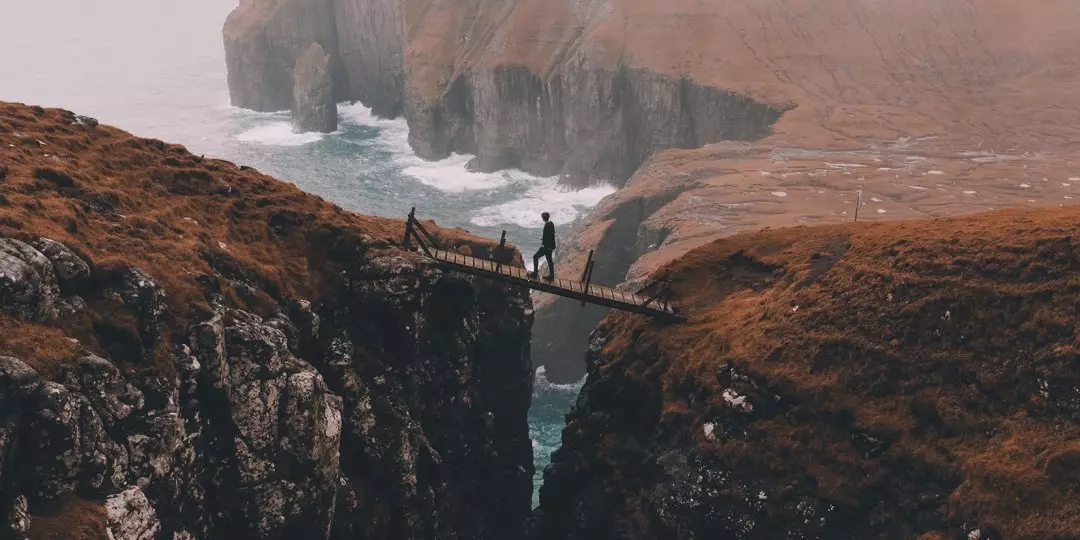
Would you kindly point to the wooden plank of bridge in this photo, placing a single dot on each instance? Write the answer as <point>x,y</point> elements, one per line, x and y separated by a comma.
<point>610,297</point>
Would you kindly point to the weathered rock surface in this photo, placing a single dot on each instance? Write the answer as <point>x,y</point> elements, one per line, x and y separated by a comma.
<point>132,516</point>
<point>28,288</point>
<point>557,110</point>
<point>69,268</point>
<point>271,367</point>
<point>901,380</point>
<point>313,105</point>
<point>261,49</point>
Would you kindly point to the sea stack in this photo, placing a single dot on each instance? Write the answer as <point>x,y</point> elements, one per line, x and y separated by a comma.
<point>313,105</point>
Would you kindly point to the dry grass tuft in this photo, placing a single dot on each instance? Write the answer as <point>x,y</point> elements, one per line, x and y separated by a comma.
<point>71,518</point>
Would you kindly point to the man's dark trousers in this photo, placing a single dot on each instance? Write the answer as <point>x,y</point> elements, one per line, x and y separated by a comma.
<point>544,251</point>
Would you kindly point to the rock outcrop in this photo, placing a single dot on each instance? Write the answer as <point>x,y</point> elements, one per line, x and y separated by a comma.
<point>900,380</point>
<point>465,79</point>
<point>192,350</point>
<point>313,106</point>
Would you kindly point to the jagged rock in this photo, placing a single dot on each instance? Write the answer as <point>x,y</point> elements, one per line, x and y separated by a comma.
<point>287,428</point>
<point>65,447</point>
<point>138,291</point>
<point>86,121</point>
<point>286,327</point>
<point>314,107</point>
<point>131,516</point>
<point>68,266</point>
<point>18,524</point>
<point>17,380</point>
<point>112,397</point>
<point>70,307</point>
<point>28,288</point>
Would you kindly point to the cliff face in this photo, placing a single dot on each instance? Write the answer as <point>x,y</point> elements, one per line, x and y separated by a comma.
<point>192,350</point>
<point>466,81</point>
<point>903,380</point>
<point>264,39</point>
<point>587,126</point>
<point>313,104</point>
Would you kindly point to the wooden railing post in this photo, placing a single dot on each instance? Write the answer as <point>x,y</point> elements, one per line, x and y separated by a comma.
<point>499,252</point>
<point>586,275</point>
<point>585,271</point>
<point>408,227</point>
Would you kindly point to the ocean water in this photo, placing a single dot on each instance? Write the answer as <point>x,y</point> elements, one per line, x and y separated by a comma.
<point>157,69</point>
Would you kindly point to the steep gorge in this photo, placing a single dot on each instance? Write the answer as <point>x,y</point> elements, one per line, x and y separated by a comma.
<point>191,349</point>
<point>890,380</point>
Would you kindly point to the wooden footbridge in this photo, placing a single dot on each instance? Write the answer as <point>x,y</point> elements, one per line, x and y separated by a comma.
<point>654,303</point>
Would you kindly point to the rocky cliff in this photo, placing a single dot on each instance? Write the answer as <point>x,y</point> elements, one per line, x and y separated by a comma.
<point>191,349</point>
<point>930,108</point>
<point>893,380</point>
<point>517,84</point>
<point>313,104</point>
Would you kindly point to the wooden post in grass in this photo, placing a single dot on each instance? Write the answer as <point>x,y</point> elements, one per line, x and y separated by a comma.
<point>858,203</point>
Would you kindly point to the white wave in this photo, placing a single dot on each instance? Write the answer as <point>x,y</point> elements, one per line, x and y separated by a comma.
<point>543,195</point>
<point>451,175</point>
<point>543,385</point>
<point>278,134</point>
<point>240,111</point>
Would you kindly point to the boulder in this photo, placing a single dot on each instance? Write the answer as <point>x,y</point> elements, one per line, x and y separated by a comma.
<point>17,380</point>
<point>111,396</point>
<point>18,519</point>
<point>28,288</point>
<point>131,516</point>
<point>313,106</point>
<point>139,292</point>
<point>67,265</point>
<point>65,447</point>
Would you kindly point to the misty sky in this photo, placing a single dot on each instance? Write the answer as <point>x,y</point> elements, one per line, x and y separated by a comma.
<point>120,60</point>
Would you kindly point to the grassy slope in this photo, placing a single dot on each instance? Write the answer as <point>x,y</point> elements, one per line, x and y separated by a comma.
<point>188,221</point>
<point>954,342</point>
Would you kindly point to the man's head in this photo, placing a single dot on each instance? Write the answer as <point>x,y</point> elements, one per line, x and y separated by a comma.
<point>545,216</point>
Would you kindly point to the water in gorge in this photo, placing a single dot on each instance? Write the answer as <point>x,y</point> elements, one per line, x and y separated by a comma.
<point>156,68</point>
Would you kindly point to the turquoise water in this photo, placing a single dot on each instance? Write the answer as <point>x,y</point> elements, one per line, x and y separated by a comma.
<point>157,68</point>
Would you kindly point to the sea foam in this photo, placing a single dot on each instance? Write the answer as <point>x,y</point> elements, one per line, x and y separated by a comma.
<point>278,133</point>
<point>542,385</point>
<point>530,194</point>
<point>564,204</point>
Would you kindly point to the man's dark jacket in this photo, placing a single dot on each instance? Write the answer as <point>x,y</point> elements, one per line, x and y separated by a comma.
<point>549,235</point>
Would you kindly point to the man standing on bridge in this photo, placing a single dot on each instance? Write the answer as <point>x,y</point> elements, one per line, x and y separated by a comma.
<point>547,246</point>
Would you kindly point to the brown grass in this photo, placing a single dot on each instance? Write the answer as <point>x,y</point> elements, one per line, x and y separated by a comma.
<point>43,348</point>
<point>71,518</point>
<point>938,337</point>
<point>183,219</point>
